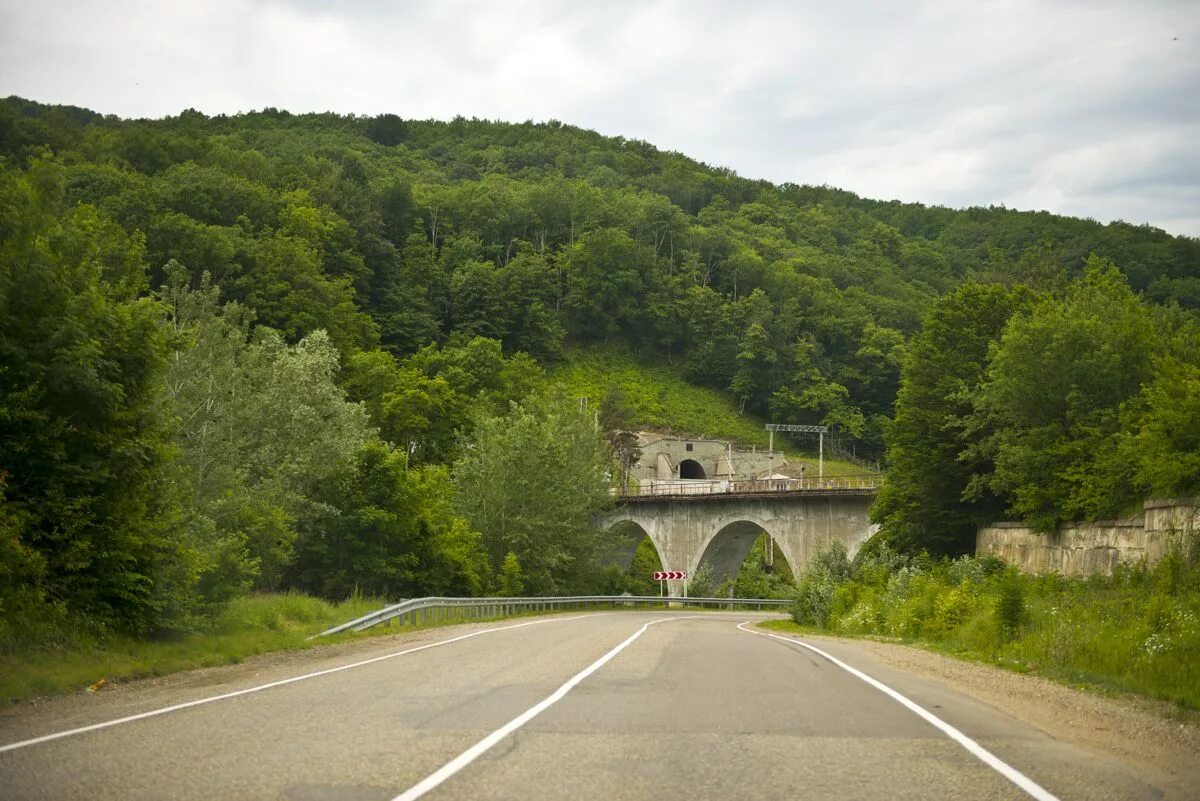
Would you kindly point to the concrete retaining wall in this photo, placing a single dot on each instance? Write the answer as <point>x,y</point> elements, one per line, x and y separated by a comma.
<point>1081,549</point>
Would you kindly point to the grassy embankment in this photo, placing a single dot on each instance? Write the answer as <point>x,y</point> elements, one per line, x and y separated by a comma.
<point>661,400</point>
<point>1136,632</point>
<point>248,626</point>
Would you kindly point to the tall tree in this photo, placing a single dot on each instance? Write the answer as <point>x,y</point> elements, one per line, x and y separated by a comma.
<point>922,505</point>
<point>530,482</point>
<point>82,437</point>
<point>262,427</point>
<point>1053,395</point>
<point>388,531</point>
<point>607,272</point>
<point>616,425</point>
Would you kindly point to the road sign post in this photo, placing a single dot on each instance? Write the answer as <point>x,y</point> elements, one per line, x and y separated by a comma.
<point>663,576</point>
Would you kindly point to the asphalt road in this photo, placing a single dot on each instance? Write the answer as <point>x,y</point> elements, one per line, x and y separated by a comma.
<point>692,707</point>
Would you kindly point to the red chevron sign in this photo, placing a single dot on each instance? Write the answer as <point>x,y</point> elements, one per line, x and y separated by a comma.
<point>669,575</point>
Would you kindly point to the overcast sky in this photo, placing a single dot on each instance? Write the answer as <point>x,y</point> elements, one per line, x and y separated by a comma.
<point>1085,108</point>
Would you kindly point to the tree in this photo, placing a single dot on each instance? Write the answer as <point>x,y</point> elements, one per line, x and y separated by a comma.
<point>388,531</point>
<point>615,419</point>
<point>83,442</point>
<point>530,482</point>
<point>262,427</point>
<point>922,504</point>
<point>387,129</point>
<point>755,361</point>
<point>807,397</point>
<point>528,293</point>
<point>289,291</point>
<point>1053,395</point>
<point>1160,447</point>
<point>607,272</point>
<point>511,583</point>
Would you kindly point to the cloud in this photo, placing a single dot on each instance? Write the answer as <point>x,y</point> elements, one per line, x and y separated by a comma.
<point>1084,108</point>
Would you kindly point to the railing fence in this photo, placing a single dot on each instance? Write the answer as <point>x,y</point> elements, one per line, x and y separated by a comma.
<point>664,487</point>
<point>421,611</point>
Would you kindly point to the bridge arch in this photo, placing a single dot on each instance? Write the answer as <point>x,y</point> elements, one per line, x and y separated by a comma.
<point>623,538</point>
<point>728,547</point>
<point>730,543</point>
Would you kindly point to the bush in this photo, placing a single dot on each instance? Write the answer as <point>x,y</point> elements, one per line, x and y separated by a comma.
<point>828,569</point>
<point>1137,630</point>
<point>704,583</point>
<point>511,582</point>
<point>1010,603</point>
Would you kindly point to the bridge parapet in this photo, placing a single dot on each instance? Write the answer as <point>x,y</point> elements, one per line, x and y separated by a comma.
<point>767,486</point>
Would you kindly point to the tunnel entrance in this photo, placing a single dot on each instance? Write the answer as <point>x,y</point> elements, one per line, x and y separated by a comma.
<point>690,468</point>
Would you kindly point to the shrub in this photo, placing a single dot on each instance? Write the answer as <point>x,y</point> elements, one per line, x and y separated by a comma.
<point>828,569</point>
<point>1137,630</point>
<point>1010,603</point>
<point>511,582</point>
<point>704,583</point>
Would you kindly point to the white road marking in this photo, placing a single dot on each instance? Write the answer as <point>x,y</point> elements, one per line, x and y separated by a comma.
<point>474,752</point>
<point>994,762</point>
<point>188,704</point>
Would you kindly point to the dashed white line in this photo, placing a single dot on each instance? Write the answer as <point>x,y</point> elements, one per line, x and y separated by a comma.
<point>210,699</point>
<point>474,752</point>
<point>994,762</point>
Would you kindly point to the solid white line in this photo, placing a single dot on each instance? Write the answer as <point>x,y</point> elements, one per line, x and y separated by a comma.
<point>987,757</point>
<point>474,752</point>
<point>176,707</point>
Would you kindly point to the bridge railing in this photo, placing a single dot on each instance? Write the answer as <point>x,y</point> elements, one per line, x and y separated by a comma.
<point>421,611</point>
<point>673,487</point>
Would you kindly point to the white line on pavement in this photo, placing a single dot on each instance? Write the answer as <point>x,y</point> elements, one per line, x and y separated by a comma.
<point>176,707</point>
<point>987,757</point>
<point>474,752</point>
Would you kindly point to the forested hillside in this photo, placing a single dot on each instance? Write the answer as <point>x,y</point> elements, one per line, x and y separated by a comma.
<point>250,352</point>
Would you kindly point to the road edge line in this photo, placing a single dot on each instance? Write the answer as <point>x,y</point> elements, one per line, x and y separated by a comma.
<point>994,762</point>
<point>259,688</point>
<point>464,759</point>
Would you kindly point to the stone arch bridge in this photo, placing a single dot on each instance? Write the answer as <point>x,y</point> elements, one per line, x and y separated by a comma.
<point>717,526</point>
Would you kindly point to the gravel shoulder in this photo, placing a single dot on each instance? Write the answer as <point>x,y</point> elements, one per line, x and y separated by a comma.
<point>1148,736</point>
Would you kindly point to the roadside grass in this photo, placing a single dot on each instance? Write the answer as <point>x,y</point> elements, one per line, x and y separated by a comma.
<point>1136,632</point>
<point>661,400</point>
<point>257,624</point>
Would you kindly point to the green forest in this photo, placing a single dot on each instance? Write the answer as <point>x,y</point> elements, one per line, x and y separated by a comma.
<point>332,354</point>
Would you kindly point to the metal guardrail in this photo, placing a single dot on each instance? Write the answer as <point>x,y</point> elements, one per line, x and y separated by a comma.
<point>439,610</point>
<point>667,488</point>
